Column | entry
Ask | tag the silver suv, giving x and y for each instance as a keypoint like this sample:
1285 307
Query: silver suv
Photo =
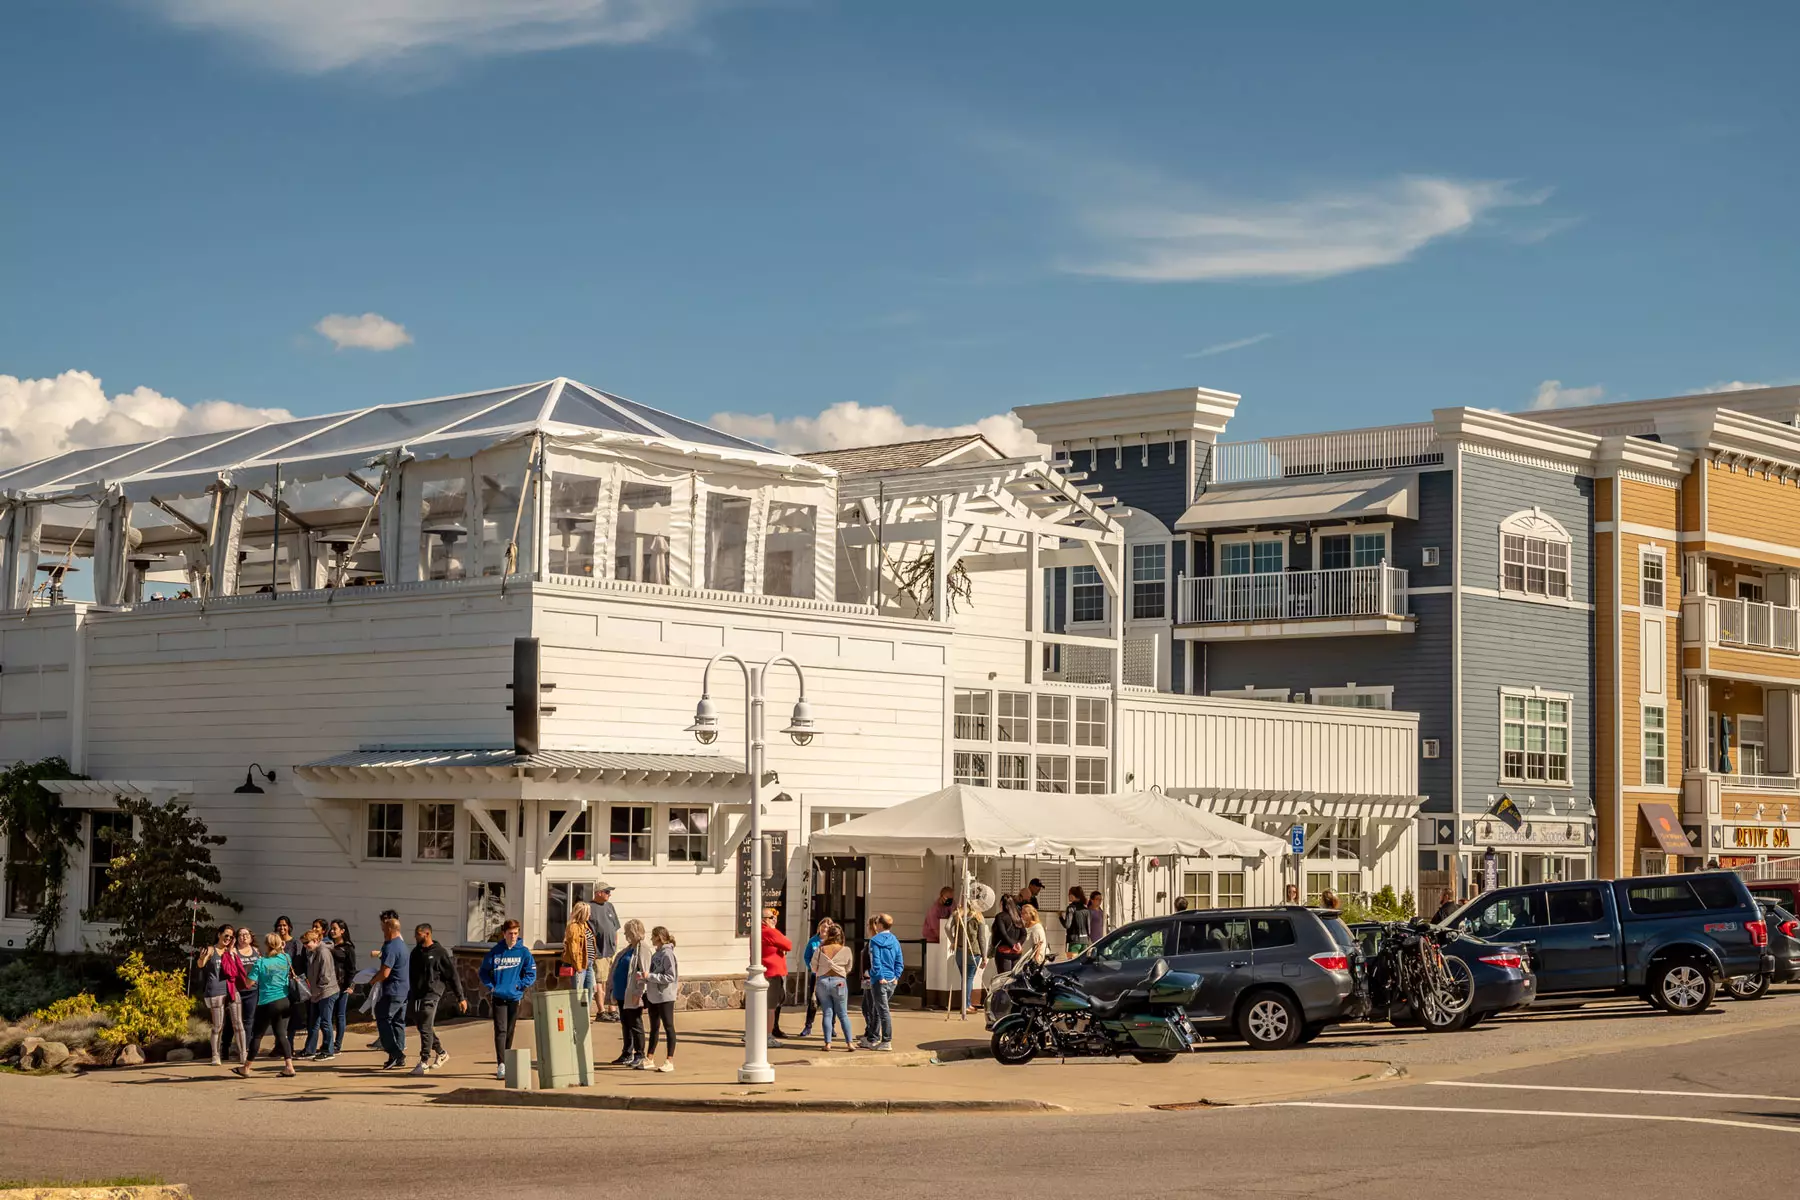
1274 977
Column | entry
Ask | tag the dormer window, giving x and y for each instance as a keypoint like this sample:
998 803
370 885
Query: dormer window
1534 555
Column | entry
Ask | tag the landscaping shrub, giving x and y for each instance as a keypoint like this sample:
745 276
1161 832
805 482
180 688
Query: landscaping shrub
67 1008
28 984
155 1007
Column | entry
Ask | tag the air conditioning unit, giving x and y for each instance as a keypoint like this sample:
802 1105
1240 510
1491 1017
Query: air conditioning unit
1429 556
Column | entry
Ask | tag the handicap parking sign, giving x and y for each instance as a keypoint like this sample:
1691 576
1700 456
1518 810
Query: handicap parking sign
1297 839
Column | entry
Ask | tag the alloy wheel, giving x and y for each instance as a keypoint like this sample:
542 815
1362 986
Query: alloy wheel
1684 987
1268 1020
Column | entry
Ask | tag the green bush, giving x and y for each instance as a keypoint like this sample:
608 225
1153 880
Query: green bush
28 984
67 1008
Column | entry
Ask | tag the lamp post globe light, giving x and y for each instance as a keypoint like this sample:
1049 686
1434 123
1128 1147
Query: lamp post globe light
800 728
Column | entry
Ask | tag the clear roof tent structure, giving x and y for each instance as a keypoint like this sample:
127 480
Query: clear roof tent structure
326 445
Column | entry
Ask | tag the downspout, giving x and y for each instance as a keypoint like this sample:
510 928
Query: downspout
1456 682
1618 681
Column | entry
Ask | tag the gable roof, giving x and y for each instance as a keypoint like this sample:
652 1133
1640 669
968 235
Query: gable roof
899 456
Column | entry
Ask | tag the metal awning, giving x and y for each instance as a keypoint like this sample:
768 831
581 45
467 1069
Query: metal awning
1254 802
1366 497
1665 826
105 793
588 766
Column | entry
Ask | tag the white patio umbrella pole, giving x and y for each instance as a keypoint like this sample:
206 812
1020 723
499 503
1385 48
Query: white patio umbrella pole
756 1068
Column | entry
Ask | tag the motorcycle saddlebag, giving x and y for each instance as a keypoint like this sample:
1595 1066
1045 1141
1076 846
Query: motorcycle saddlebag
1150 1033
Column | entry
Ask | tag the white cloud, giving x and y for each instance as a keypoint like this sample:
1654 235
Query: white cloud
41 417
1146 236
847 424
1552 394
1734 385
329 35
1228 347
371 331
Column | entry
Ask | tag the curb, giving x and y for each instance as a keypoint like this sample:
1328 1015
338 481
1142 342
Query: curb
610 1102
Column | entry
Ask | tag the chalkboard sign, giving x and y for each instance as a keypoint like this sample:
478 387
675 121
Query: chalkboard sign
774 892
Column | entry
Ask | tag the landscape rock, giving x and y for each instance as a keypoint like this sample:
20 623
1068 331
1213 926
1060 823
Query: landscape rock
27 1046
130 1055
179 1054
44 1055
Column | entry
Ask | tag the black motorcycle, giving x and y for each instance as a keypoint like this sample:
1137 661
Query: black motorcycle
1053 1017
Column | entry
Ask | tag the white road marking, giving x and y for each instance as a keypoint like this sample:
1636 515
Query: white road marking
1545 1087
1526 1112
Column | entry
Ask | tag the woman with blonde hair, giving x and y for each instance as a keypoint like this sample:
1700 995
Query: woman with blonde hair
578 954
273 975
626 987
830 967
661 980
1036 946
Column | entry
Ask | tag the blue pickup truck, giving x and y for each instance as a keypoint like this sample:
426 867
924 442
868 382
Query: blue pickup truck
1672 939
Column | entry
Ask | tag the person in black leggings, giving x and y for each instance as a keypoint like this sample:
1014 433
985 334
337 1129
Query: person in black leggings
271 973
661 981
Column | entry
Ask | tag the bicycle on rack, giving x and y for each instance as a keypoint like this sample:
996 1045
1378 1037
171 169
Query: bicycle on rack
1410 975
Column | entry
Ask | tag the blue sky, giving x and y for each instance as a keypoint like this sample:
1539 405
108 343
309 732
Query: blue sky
1349 214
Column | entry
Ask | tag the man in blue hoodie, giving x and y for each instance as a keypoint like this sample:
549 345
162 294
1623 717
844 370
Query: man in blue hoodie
885 965
507 972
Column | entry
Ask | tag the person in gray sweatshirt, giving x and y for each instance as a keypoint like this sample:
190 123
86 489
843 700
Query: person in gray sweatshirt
321 988
662 979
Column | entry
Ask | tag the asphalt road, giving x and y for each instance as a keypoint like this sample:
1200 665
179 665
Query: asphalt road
1717 1114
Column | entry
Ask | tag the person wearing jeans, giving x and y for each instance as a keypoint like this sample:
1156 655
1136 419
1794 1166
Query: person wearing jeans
830 968
507 972
394 980
337 1010
885 966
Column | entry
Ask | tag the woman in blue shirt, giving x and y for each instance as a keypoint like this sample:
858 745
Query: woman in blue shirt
272 975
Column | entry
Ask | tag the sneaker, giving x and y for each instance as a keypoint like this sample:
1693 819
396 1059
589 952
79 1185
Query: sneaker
321 1056
644 1064
623 1060
885 1046
391 1063
667 1067
500 1071
421 1068
776 1044
333 1054
216 1061
375 1045
442 1058
807 1032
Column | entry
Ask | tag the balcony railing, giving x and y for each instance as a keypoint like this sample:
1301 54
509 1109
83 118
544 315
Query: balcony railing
1752 624
1306 454
1294 595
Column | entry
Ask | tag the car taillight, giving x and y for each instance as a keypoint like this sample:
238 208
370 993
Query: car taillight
1333 960
1790 928
1759 932
1506 960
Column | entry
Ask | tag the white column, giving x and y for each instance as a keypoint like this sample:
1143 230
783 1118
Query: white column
227 536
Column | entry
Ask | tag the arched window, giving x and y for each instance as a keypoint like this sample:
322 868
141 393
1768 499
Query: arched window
1534 555
1147 542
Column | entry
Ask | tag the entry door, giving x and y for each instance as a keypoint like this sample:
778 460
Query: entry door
1579 945
840 887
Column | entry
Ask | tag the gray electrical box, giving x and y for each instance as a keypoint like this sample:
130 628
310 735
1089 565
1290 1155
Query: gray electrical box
560 1025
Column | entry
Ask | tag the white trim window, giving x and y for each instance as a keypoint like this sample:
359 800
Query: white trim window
435 838
1087 595
484 910
1353 695
1052 773
1656 745
689 834
970 768
1357 548
384 825
1534 555
1251 556
106 831
628 834
1012 771
970 722
1652 578
560 898
481 847
1753 750
578 844
1090 776
1090 722
1013 723
1052 720
1534 737
1149 581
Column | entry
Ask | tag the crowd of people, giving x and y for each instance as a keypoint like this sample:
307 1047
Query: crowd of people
298 989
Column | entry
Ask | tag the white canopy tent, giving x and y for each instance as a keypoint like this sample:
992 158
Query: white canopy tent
986 822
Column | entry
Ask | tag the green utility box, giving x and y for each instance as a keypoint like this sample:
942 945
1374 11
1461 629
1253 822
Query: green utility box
560 1025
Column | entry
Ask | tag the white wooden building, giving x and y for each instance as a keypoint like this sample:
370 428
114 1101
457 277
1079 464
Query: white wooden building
335 600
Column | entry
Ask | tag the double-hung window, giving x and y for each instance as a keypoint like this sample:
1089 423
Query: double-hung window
1656 745
1534 731
971 717
384 824
628 837
1149 574
1014 721
1087 594
1090 721
688 834
1534 556
1052 720
1650 579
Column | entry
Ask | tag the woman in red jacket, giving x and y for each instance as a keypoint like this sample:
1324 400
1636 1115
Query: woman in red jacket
775 947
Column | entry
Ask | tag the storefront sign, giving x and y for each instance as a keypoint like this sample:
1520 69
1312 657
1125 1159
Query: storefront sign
1548 834
774 887
1760 837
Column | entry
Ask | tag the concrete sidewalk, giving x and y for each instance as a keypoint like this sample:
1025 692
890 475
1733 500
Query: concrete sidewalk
933 1066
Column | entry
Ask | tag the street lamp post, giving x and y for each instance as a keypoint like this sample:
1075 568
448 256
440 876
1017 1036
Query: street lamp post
756 1068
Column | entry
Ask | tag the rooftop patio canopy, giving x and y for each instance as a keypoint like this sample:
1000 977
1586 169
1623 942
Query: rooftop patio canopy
1002 822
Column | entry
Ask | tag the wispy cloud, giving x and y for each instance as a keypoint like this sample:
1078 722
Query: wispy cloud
371 331
317 36
1355 228
1228 347
1552 394
1734 385
847 423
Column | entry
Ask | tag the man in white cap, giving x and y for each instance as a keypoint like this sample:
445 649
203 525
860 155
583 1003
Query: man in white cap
606 935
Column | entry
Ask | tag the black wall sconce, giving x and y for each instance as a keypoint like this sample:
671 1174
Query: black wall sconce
249 786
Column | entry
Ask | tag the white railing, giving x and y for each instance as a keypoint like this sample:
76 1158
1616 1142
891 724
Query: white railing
1294 595
1323 453
1750 623
1759 783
